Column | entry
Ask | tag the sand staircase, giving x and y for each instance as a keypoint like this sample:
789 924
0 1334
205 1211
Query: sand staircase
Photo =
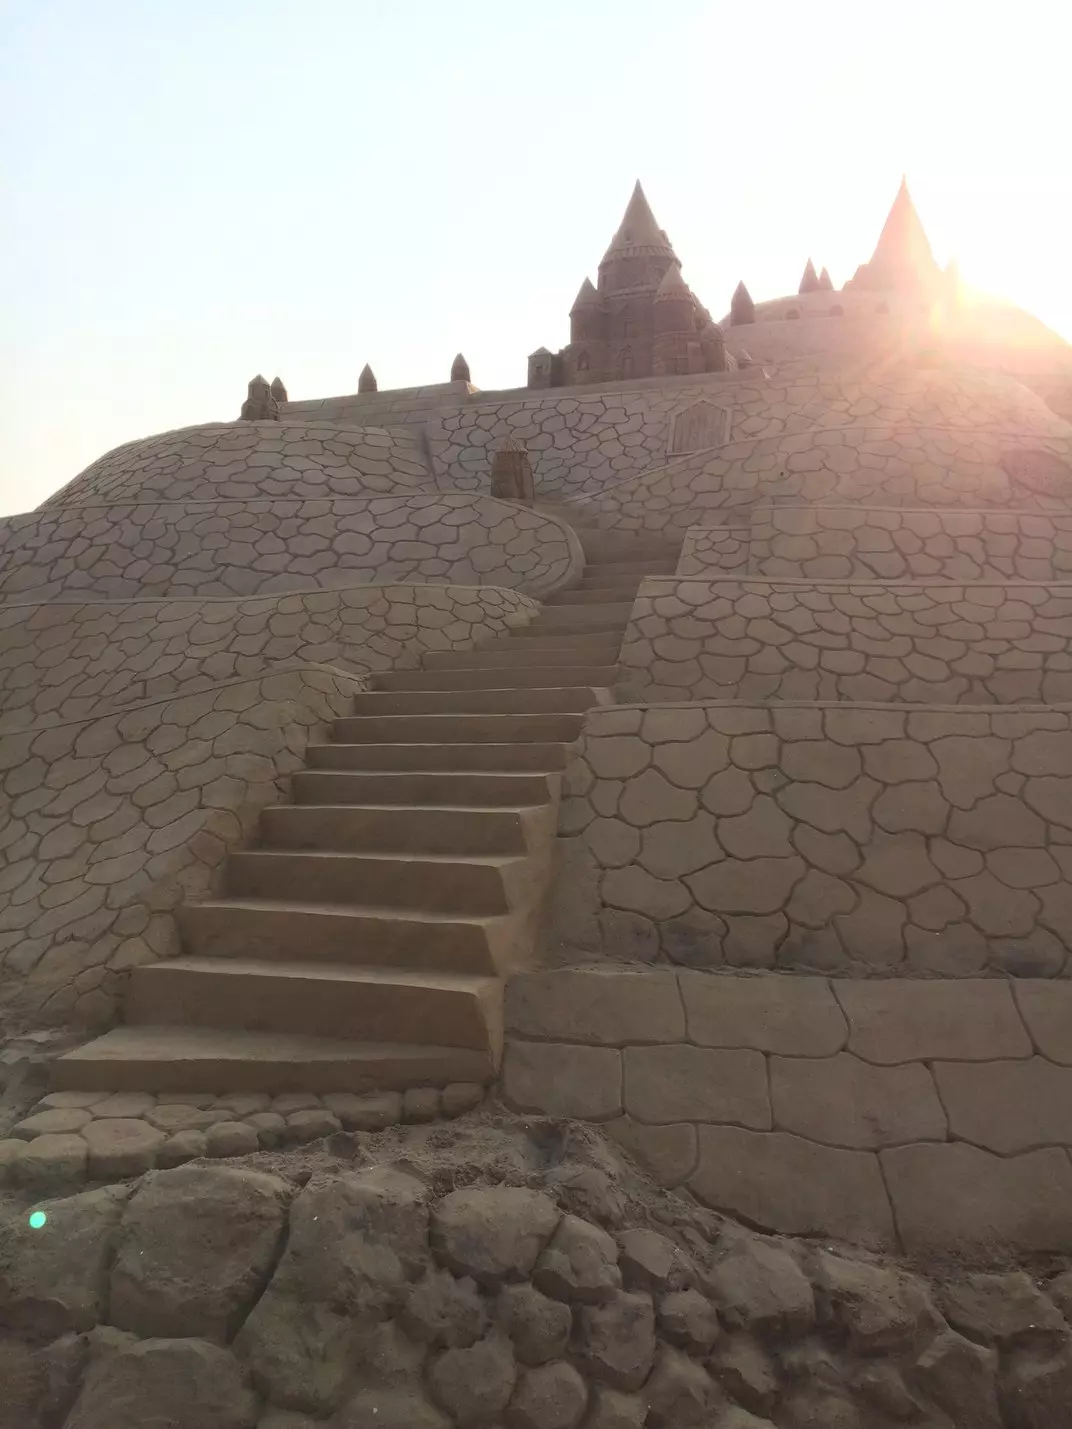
363 943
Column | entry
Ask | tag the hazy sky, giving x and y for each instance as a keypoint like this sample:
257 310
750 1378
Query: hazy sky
195 192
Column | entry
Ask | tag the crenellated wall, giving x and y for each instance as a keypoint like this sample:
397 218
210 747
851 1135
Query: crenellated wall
855 840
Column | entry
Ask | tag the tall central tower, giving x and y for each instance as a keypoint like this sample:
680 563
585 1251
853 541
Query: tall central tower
641 320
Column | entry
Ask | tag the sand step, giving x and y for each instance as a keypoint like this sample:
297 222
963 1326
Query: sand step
603 616
639 568
563 650
621 585
202 1059
601 595
436 883
495 677
439 758
318 999
404 828
363 936
451 789
457 729
563 699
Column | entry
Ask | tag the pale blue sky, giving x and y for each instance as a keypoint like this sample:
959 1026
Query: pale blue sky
195 192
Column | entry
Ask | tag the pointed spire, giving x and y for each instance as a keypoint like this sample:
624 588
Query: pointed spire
586 296
279 392
459 369
639 230
826 283
673 285
810 281
742 308
367 381
902 256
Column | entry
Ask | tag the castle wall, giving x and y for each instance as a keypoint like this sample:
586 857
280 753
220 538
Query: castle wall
846 542
916 643
905 466
258 546
246 461
65 661
915 428
929 1114
849 840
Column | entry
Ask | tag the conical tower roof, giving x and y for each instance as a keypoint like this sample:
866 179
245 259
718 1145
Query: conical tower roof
809 283
673 285
586 296
903 253
638 233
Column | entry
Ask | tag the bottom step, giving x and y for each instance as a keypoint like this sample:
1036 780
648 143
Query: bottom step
205 1059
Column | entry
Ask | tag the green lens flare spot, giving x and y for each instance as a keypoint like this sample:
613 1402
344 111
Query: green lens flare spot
37 1220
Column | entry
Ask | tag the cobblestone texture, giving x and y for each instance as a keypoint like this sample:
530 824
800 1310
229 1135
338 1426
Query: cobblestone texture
243 461
898 430
844 542
799 1086
256 546
107 824
746 639
864 839
228 1296
714 550
170 1129
902 467
66 660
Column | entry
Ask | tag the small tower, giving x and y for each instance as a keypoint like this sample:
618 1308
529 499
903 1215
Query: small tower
826 283
586 315
279 392
742 308
675 327
367 381
810 281
902 260
459 370
541 364
260 405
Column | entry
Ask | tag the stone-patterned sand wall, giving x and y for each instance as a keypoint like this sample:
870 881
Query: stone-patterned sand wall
65 661
916 643
711 550
243 461
518 1274
581 443
904 466
258 547
107 824
937 1113
860 840
848 542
